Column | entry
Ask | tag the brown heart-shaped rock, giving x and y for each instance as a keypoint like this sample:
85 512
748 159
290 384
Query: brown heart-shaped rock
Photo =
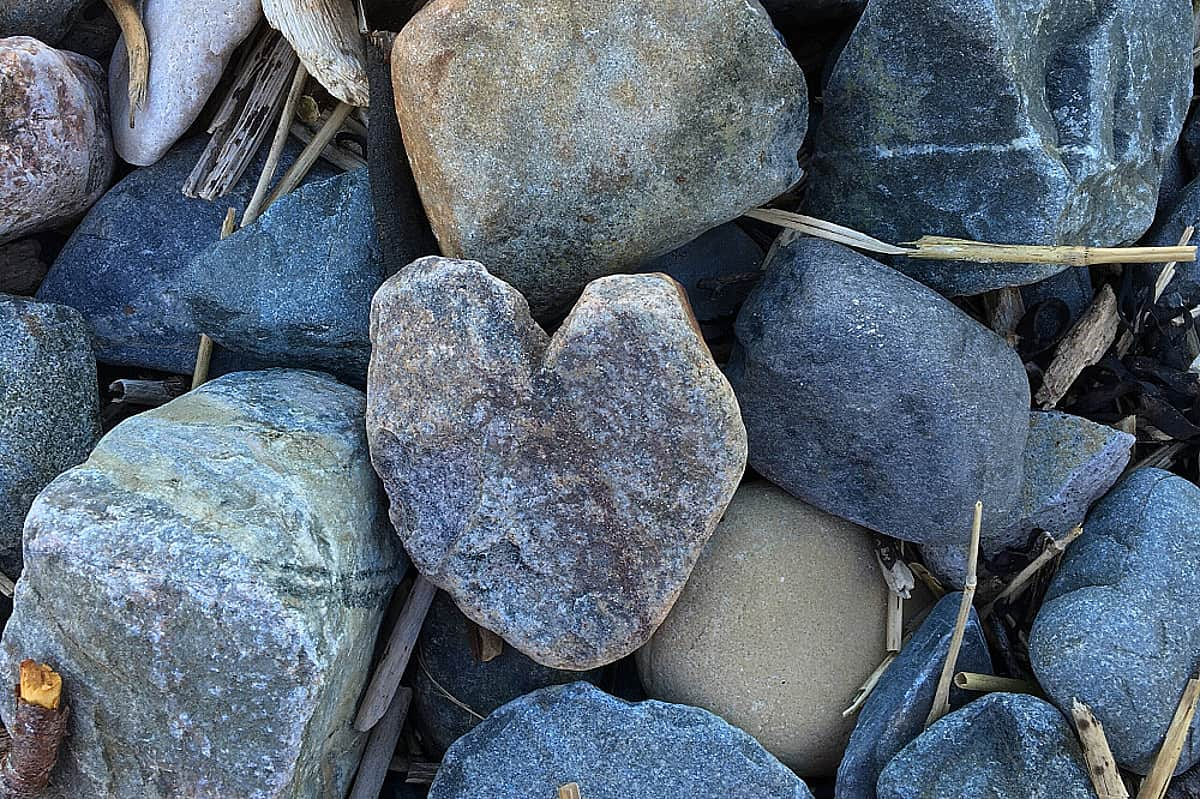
559 488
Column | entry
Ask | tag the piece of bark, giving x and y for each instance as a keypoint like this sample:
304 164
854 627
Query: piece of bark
1102 766
485 645
39 724
386 679
324 33
1005 308
21 267
377 756
1083 346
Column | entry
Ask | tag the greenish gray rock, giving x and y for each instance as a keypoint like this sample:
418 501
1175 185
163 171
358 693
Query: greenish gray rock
1118 629
781 621
651 123
210 583
1002 745
51 407
45 20
612 749
558 488
1002 121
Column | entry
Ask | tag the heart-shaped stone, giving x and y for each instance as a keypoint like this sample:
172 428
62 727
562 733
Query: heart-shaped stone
559 488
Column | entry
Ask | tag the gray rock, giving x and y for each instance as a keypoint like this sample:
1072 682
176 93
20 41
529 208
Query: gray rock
1167 232
1118 628
1176 175
1185 786
1073 287
449 675
653 122
810 11
124 264
210 585
1071 107
58 156
612 749
896 710
1001 745
717 270
294 288
858 384
51 407
558 488
45 20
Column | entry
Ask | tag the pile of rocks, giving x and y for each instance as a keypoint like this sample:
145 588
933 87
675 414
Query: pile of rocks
531 465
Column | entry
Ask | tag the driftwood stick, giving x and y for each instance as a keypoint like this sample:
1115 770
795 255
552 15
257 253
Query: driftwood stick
824 230
1168 271
1156 782
7 586
255 206
1054 548
990 683
386 678
1083 346
147 392
1005 309
37 732
311 152
941 697
1102 766
377 756
569 791
341 157
137 48
864 691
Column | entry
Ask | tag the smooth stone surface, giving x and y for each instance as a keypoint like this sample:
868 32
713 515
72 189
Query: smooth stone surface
1167 232
895 712
295 288
1118 628
210 584
124 264
612 749
56 157
51 407
652 123
446 664
1001 745
780 623
1072 107
872 397
191 42
559 488
44 20
717 270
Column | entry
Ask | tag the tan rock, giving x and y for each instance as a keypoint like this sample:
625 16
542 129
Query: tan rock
780 623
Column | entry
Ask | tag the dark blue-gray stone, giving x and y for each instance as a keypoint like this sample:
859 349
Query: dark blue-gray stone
294 288
1119 629
1073 287
998 747
1003 121
129 255
1167 232
896 711
46 20
1176 175
1185 786
858 384
51 407
613 749
449 676
717 270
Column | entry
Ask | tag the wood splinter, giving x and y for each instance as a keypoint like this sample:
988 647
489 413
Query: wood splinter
386 679
137 48
1156 782
941 697
36 734
569 791
1102 766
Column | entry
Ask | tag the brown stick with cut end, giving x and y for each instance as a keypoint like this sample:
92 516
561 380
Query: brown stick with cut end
941 696
1083 346
37 732
311 152
255 206
137 48
1054 548
204 353
990 683
1156 782
403 638
147 392
1102 766
377 756
569 791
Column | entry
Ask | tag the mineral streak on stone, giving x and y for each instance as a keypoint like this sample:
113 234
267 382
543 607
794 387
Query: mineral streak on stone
1119 629
1056 131
998 746
612 749
872 397
191 42
56 157
560 489
651 123
45 20
51 414
210 583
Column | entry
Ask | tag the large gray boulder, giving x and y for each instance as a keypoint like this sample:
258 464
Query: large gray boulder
1003 121
1118 629
210 584
559 488
649 123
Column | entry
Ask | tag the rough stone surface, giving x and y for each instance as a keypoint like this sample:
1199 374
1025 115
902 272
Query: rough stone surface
559 488
210 584
780 623
1167 231
191 41
56 157
1118 629
809 11
718 270
652 122
1072 107
124 264
896 710
998 746
294 288
51 413
871 397
446 664
45 20
612 749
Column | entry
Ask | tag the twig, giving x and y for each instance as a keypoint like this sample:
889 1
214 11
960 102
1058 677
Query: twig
990 683
1083 346
824 230
7 586
941 697
312 151
1102 766
1054 548
37 732
341 157
138 50
255 206
932 583
1156 782
147 392
1168 272
569 791
377 756
864 691
895 622
386 678
204 353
